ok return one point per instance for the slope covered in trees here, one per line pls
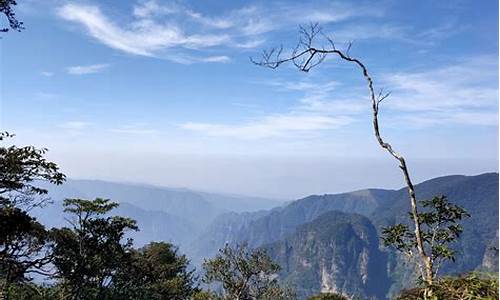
(476, 249)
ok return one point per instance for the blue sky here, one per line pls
(164, 92)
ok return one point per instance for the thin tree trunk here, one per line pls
(425, 259)
(305, 65)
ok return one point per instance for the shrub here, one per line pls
(470, 286)
(327, 296)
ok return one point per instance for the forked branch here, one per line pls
(308, 54)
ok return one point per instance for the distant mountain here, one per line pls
(153, 225)
(323, 242)
(478, 194)
(336, 253)
(198, 207)
(176, 215)
(265, 227)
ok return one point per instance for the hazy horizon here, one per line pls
(282, 180)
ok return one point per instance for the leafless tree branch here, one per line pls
(306, 56)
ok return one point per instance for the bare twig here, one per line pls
(306, 56)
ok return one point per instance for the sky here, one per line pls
(164, 92)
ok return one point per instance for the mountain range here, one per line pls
(324, 243)
(167, 214)
(476, 249)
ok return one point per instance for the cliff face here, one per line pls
(336, 252)
(264, 227)
(320, 253)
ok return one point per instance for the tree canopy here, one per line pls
(21, 170)
(245, 274)
(7, 9)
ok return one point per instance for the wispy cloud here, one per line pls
(148, 34)
(75, 127)
(464, 93)
(142, 37)
(146, 9)
(323, 97)
(46, 96)
(47, 73)
(270, 126)
(441, 118)
(88, 69)
(359, 31)
(134, 129)
(220, 59)
(317, 110)
(365, 31)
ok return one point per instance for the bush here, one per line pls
(327, 296)
(471, 286)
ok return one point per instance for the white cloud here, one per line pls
(358, 31)
(154, 27)
(47, 73)
(271, 126)
(221, 59)
(465, 93)
(134, 129)
(471, 84)
(144, 37)
(322, 97)
(250, 44)
(317, 110)
(363, 31)
(455, 117)
(310, 87)
(147, 9)
(89, 69)
(75, 125)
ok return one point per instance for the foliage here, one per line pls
(156, 271)
(6, 8)
(23, 240)
(88, 255)
(439, 222)
(20, 168)
(327, 296)
(205, 295)
(470, 286)
(245, 274)
(23, 247)
(33, 291)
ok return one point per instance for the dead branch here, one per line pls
(305, 56)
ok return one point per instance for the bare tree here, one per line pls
(305, 56)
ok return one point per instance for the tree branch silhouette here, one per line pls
(306, 55)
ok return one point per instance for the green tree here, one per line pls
(33, 291)
(469, 286)
(90, 253)
(245, 275)
(205, 295)
(6, 8)
(21, 171)
(439, 222)
(22, 239)
(155, 272)
(23, 248)
(327, 296)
